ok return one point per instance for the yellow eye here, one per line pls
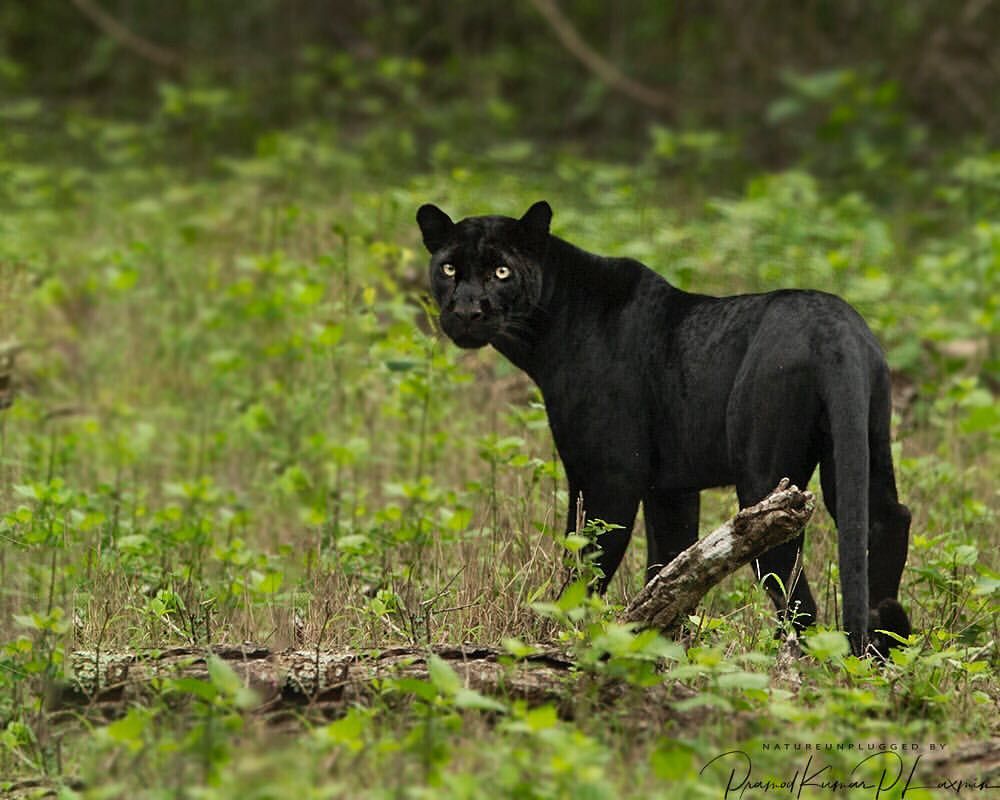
(503, 273)
(448, 269)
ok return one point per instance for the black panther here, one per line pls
(654, 393)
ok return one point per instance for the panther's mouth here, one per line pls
(470, 342)
(469, 335)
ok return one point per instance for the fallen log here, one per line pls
(326, 681)
(317, 680)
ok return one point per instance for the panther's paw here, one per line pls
(888, 616)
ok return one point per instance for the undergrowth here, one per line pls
(228, 417)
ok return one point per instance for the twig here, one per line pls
(142, 47)
(607, 72)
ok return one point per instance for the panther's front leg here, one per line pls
(611, 501)
(671, 526)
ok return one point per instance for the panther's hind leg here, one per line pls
(767, 442)
(781, 568)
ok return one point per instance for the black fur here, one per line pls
(653, 393)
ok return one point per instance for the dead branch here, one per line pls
(606, 72)
(674, 593)
(142, 47)
(319, 681)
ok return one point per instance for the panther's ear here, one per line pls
(537, 218)
(435, 225)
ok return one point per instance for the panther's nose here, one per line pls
(471, 311)
(469, 314)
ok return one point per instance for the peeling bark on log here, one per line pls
(325, 682)
(675, 592)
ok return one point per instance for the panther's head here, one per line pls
(486, 272)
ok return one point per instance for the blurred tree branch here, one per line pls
(157, 54)
(606, 72)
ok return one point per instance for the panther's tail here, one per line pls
(847, 407)
(872, 526)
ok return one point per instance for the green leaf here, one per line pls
(671, 760)
(546, 609)
(269, 583)
(353, 543)
(129, 729)
(827, 645)
(574, 542)
(27, 491)
(615, 638)
(686, 671)
(542, 718)
(401, 364)
(659, 647)
(966, 555)
(783, 109)
(703, 701)
(246, 698)
(855, 666)
(987, 583)
(222, 676)
(422, 689)
(442, 676)
(470, 698)
(517, 648)
(347, 731)
(198, 688)
(572, 596)
(743, 680)
(510, 443)
(27, 621)
(21, 110)
(706, 656)
(517, 150)
(133, 543)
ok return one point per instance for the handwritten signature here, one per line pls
(820, 777)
